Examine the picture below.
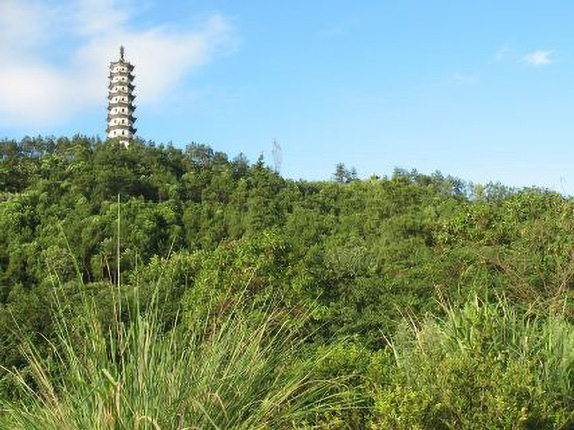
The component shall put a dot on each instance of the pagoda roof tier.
(119, 90)
(129, 75)
(121, 104)
(122, 116)
(130, 96)
(130, 66)
(131, 129)
(120, 83)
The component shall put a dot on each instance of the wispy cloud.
(502, 53)
(35, 89)
(463, 79)
(340, 28)
(539, 58)
(333, 31)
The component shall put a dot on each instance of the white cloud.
(539, 58)
(96, 17)
(21, 24)
(35, 90)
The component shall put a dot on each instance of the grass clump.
(135, 374)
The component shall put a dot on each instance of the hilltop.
(362, 259)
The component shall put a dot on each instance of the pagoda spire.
(121, 108)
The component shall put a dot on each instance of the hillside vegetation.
(153, 287)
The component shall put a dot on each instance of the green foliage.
(343, 175)
(136, 375)
(482, 366)
(215, 239)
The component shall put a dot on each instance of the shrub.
(483, 366)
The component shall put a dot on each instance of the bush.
(484, 366)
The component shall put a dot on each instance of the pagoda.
(120, 100)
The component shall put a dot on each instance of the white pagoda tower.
(120, 100)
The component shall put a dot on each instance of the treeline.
(359, 256)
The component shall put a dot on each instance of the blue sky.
(481, 90)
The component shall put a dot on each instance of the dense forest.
(405, 301)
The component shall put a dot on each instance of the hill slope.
(360, 257)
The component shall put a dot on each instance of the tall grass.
(129, 372)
